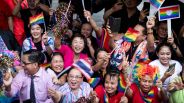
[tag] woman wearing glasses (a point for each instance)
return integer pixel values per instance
(75, 89)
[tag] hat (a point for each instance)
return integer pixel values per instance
(84, 67)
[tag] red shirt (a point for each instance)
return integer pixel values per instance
(5, 12)
(113, 99)
(18, 24)
(137, 96)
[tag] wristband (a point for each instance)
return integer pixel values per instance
(149, 31)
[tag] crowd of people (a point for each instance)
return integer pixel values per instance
(130, 59)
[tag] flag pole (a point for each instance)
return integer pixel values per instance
(169, 28)
(83, 5)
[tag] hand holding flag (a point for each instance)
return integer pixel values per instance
(45, 38)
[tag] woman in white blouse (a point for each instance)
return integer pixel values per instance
(164, 52)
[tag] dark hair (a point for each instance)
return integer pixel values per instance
(56, 54)
(80, 36)
(35, 56)
(112, 73)
(160, 22)
(41, 26)
(97, 51)
(143, 24)
(88, 24)
(164, 44)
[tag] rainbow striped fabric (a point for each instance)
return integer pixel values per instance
(157, 3)
(37, 19)
(106, 99)
(130, 35)
(121, 84)
(93, 82)
(149, 97)
(170, 12)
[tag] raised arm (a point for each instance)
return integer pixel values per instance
(97, 29)
(150, 38)
(44, 7)
(46, 43)
(16, 10)
(176, 49)
(116, 7)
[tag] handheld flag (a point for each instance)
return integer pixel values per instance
(93, 82)
(130, 35)
(84, 67)
(37, 19)
(170, 12)
(157, 3)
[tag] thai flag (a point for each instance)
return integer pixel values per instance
(84, 67)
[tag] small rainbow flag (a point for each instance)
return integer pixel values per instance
(37, 19)
(121, 84)
(130, 35)
(94, 81)
(157, 3)
(104, 40)
(170, 12)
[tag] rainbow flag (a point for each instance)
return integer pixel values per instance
(130, 35)
(104, 40)
(170, 12)
(157, 3)
(94, 81)
(121, 84)
(37, 19)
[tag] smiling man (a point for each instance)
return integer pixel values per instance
(32, 83)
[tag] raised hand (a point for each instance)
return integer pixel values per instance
(45, 38)
(150, 23)
(170, 40)
(169, 73)
(37, 2)
(117, 6)
(16, 53)
(125, 63)
(7, 78)
(87, 15)
(143, 14)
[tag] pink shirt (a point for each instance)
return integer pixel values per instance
(21, 85)
(68, 55)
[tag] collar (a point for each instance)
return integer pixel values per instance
(39, 73)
